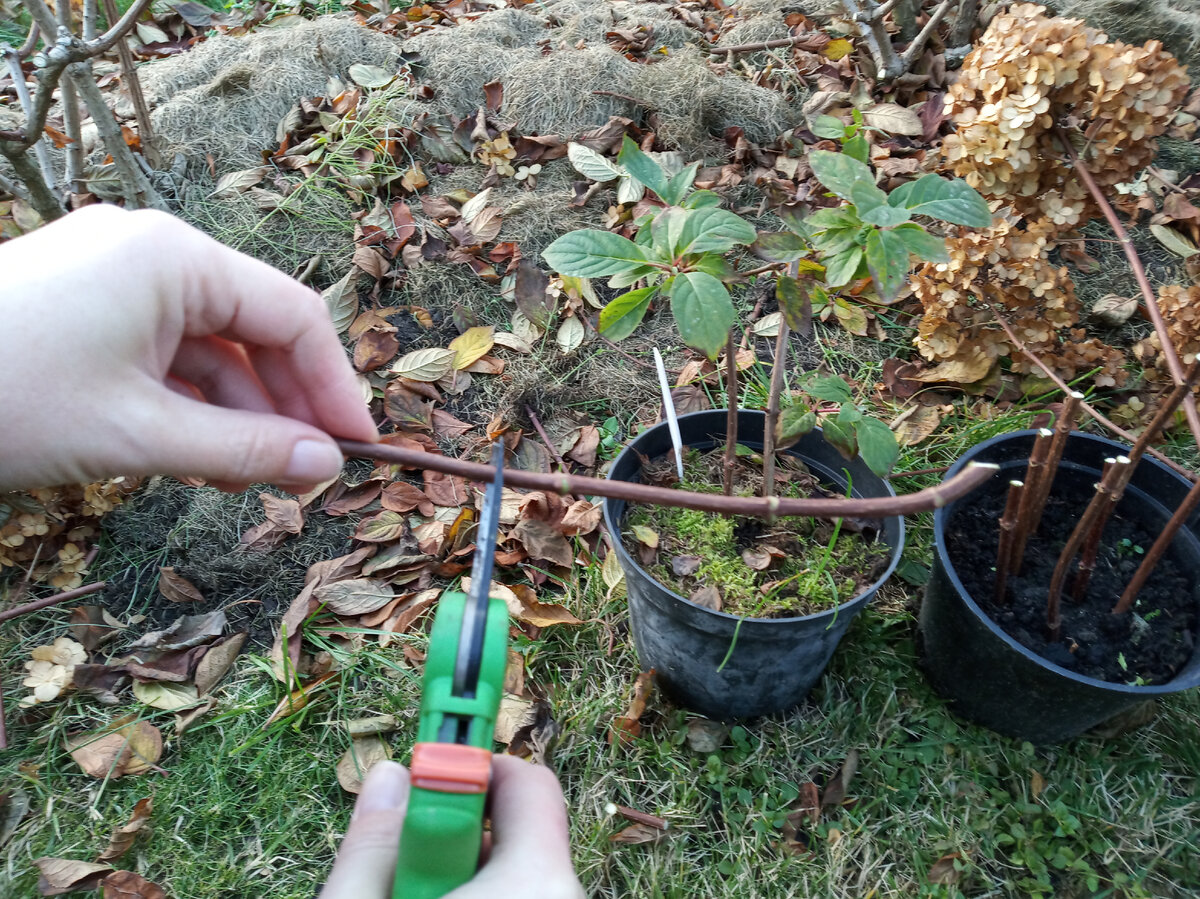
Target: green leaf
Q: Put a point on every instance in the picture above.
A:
(838, 240)
(856, 147)
(795, 420)
(593, 254)
(621, 280)
(714, 265)
(839, 172)
(713, 230)
(836, 218)
(667, 229)
(642, 167)
(877, 446)
(872, 206)
(950, 200)
(829, 389)
(840, 435)
(887, 259)
(828, 127)
(703, 311)
(678, 186)
(702, 199)
(794, 303)
(622, 315)
(921, 243)
(841, 268)
(779, 246)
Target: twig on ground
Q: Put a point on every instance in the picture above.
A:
(814, 42)
(761, 507)
(909, 57)
(1170, 355)
(52, 600)
(1086, 407)
(550, 447)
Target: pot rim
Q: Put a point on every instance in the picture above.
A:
(625, 558)
(940, 518)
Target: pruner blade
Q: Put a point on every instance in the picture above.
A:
(470, 641)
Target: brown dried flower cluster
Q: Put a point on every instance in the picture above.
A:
(1038, 299)
(51, 528)
(1028, 76)
(1032, 73)
(1181, 310)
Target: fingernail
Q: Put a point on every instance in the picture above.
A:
(385, 790)
(312, 462)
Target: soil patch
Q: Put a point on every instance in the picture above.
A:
(792, 567)
(1150, 643)
(198, 531)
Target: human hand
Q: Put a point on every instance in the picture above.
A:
(131, 343)
(529, 855)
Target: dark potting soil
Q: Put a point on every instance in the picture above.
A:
(1147, 645)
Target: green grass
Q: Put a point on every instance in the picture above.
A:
(246, 812)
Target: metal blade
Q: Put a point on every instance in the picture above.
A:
(470, 641)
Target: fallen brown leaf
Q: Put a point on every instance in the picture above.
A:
(364, 753)
(359, 596)
(14, 805)
(542, 541)
(299, 698)
(637, 833)
(132, 749)
(176, 588)
(709, 597)
(375, 349)
(839, 784)
(65, 875)
(584, 450)
(283, 512)
(944, 871)
(404, 497)
(217, 661)
(628, 726)
(122, 838)
(581, 517)
(128, 885)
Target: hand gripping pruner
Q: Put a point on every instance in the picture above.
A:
(452, 760)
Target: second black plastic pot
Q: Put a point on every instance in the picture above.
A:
(988, 676)
(774, 661)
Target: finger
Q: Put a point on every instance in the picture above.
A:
(246, 300)
(275, 370)
(170, 432)
(529, 835)
(222, 372)
(366, 861)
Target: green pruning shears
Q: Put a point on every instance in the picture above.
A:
(452, 759)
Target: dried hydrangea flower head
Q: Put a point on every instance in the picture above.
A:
(1028, 75)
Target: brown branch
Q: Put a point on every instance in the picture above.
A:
(550, 447)
(964, 23)
(13, 57)
(52, 600)
(117, 31)
(1156, 552)
(1139, 273)
(731, 414)
(1034, 472)
(1086, 407)
(1041, 490)
(1112, 484)
(1091, 545)
(914, 50)
(761, 507)
(814, 42)
(1110, 489)
(1004, 547)
(31, 42)
(871, 28)
(43, 200)
(772, 419)
(133, 85)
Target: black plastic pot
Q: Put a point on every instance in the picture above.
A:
(988, 676)
(775, 661)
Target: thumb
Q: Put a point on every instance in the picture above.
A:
(189, 437)
(366, 861)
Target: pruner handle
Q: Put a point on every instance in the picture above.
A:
(443, 827)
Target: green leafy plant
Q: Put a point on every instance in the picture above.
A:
(872, 232)
(844, 423)
(678, 253)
